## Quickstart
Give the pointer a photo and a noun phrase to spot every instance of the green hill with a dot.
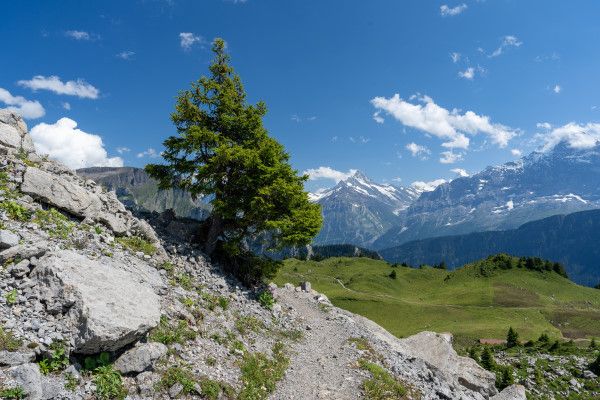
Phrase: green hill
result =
(479, 300)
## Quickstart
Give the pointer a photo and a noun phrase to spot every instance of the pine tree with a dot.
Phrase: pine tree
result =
(473, 353)
(595, 366)
(506, 378)
(393, 274)
(223, 151)
(487, 359)
(512, 338)
(593, 344)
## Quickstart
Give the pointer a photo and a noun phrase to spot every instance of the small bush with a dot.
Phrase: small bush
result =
(136, 243)
(393, 274)
(56, 224)
(382, 385)
(11, 297)
(260, 373)
(595, 366)
(15, 210)
(512, 338)
(178, 374)
(168, 333)
(505, 378)
(57, 361)
(265, 299)
(90, 363)
(8, 342)
(109, 384)
(16, 393)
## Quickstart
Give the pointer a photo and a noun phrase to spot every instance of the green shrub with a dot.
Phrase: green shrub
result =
(57, 361)
(136, 243)
(168, 333)
(512, 338)
(595, 366)
(55, 223)
(15, 210)
(223, 302)
(8, 342)
(265, 299)
(109, 384)
(260, 373)
(178, 374)
(11, 297)
(382, 385)
(250, 269)
(393, 274)
(505, 377)
(90, 363)
(487, 359)
(16, 393)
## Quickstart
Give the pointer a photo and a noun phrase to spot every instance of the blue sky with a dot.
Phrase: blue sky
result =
(477, 82)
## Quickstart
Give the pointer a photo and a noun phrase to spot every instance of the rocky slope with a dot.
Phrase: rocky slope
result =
(96, 303)
(139, 193)
(560, 181)
(569, 239)
(357, 210)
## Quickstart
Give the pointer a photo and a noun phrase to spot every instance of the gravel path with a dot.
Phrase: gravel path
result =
(324, 363)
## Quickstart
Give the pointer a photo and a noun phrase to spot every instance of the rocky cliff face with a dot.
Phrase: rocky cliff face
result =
(95, 303)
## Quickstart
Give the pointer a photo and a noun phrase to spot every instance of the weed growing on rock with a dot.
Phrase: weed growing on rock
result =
(57, 361)
(136, 243)
(55, 223)
(260, 373)
(178, 374)
(167, 333)
(248, 323)
(11, 297)
(265, 299)
(211, 390)
(15, 210)
(16, 393)
(223, 302)
(71, 382)
(109, 384)
(382, 385)
(8, 342)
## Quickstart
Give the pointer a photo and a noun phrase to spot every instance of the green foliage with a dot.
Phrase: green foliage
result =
(382, 385)
(168, 333)
(136, 243)
(15, 393)
(11, 297)
(512, 338)
(487, 359)
(593, 344)
(90, 363)
(8, 342)
(223, 302)
(249, 323)
(55, 223)
(505, 377)
(109, 384)
(56, 361)
(222, 150)
(71, 382)
(260, 373)
(393, 274)
(544, 338)
(247, 267)
(15, 210)
(178, 374)
(595, 365)
(266, 299)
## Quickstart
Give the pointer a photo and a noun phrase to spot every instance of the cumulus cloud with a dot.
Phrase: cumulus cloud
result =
(78, 35)
(126, 55)
(79, 88)
(188, 39)
(447, 11)
(75, 148)
(28, 109)
(576, 136)
(66, 105)
(460, 172)
(516, 152)
(452, 126)
(148, 153)
(450, 157)
(455, 57)
(122, 150)
(544, 125)
(557, 89)
(507, 41)
(328, 173)
(421, 186)
(469, 73)
(418, 151)
(378, 118)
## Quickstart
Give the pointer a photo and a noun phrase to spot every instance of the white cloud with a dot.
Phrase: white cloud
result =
(577, 136)
(451, 126)
(418, 151)
(360, 139)
(188, 39)
(122, 150)
(126, 55)
(75, 148)
(66, 105)
(544, 125)
(78, 35)
(378, 118)
(557, 89)
(460, 172)
(507, 41)
(148, 153)
(516, 152)
(421, 186)
(469, 73)
(28, 109)
(450, 157)
(79, 88)
(447, 11)
(328, 173)
(455, 57)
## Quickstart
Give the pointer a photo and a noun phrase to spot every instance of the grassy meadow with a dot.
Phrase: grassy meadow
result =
(469, 302)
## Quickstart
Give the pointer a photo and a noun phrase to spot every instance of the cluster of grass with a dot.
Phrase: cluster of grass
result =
(16, 211)
(466, 302)
(207, 388)
(15, 393)
(260, 373)
(55, 223)
(248, 323)
(8, 342)
(168, 333)
(382, 385)
(109, 384)
(212, 301)
(136, 243)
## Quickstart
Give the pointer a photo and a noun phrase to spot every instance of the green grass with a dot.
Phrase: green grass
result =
(476, 301)
(136, 243)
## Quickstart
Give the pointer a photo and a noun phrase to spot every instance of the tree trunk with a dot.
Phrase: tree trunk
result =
(214, 232)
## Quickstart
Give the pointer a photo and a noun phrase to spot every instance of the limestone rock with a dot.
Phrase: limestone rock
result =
(8, 239)
(28, 377)
(13, 132)
(140, 358)
(513, 392)
(111, 304)
(15, 358)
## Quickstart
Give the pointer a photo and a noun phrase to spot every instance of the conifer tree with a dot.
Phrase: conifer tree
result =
(223, 151)
(487, 359)
(512, 338)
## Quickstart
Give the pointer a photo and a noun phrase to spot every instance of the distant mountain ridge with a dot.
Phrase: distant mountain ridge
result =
(139, 192)
(569, 239)
(561, 181)
(357, 210)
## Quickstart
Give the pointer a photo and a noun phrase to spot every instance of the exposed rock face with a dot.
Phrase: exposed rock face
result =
(513, 392)
(140, 358)
(13, 133)
(110, 303)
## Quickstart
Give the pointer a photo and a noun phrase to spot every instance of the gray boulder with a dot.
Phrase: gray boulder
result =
(140, 358)
(23, 252)
(15, 358)
(110, 304)
(28, 377)
(513, 392)
(8, 239)
(13, 132)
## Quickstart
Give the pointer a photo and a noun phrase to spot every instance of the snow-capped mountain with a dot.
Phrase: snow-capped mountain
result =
(560, 181)
(357, 210)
